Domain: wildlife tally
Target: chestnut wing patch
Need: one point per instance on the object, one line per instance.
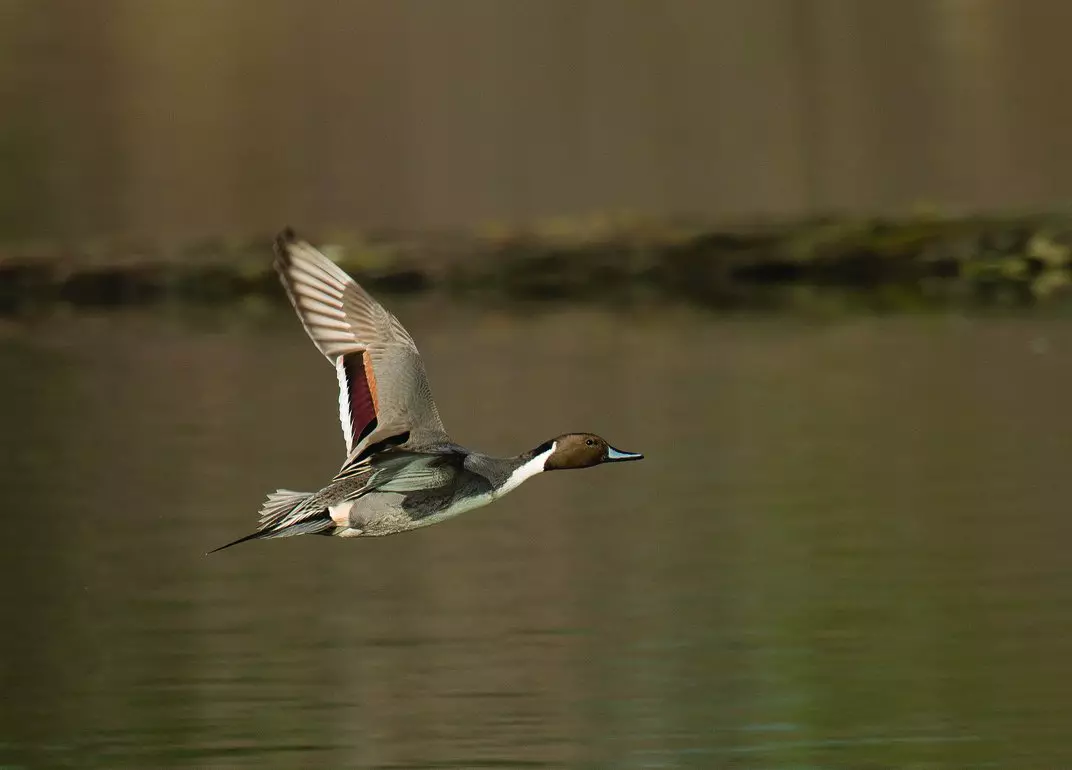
(358, 399)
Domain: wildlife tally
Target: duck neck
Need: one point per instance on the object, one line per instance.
(527, 465)
(545, 449)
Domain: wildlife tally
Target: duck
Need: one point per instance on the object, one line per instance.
(402, 471)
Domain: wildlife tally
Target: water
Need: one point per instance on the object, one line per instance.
(848, 548)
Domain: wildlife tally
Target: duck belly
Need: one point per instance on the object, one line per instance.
(385, 513)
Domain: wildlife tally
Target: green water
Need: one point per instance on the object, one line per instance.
(847, 548)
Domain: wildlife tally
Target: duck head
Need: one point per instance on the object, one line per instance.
(583, 450)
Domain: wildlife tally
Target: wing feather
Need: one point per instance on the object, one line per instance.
(382, 381)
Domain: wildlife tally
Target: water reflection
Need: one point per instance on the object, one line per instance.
(847, 547)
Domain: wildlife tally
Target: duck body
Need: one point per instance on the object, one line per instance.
(395, 491)
(402, 471)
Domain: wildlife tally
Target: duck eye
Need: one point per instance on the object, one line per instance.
(589, 442)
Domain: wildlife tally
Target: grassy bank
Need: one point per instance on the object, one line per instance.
(910, 262)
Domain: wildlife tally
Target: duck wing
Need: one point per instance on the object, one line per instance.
(384, 396)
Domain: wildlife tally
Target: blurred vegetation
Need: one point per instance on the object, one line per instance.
(911, 263)
(23, 196)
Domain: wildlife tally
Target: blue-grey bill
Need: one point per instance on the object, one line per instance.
(617, 455)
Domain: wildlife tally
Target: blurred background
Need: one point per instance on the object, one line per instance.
(848, 544)
(176, 117)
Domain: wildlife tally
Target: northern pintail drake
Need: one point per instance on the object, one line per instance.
(402, 471)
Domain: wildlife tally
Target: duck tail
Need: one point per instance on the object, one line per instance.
(282, 516)
(254, 536)
(281, 509)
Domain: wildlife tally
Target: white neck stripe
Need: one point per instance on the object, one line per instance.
(526, 471)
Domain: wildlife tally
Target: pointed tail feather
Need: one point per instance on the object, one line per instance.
(282, 516)
(254, 536)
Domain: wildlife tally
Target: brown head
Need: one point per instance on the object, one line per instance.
(582, 450)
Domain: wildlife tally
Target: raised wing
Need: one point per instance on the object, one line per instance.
(383, 389)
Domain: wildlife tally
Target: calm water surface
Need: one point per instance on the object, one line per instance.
(848, 547)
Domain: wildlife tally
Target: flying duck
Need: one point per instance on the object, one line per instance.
(402, 471)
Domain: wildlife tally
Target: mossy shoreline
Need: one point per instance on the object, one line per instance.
(907, 262)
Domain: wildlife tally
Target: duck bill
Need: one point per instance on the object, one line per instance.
(618, 456)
